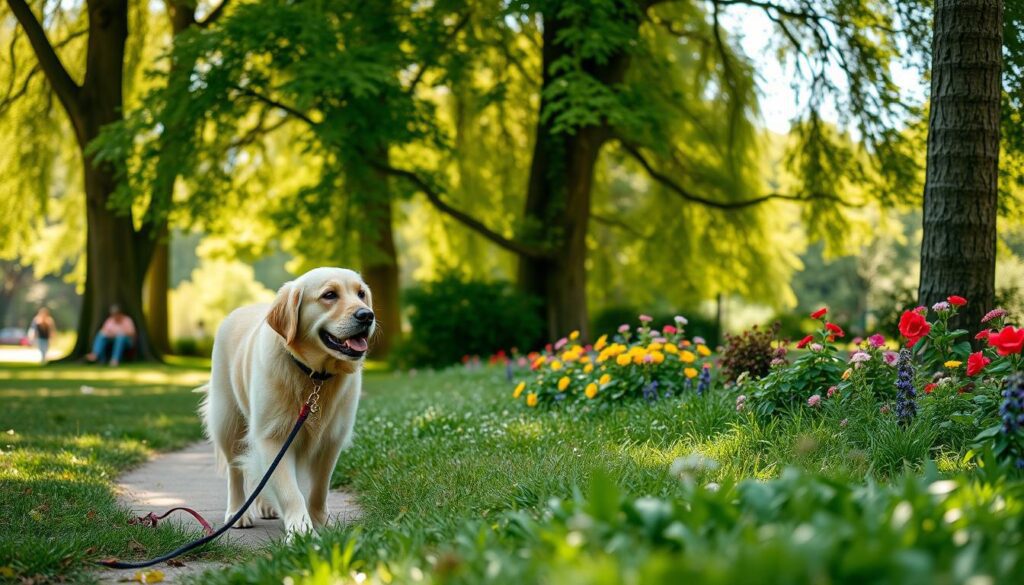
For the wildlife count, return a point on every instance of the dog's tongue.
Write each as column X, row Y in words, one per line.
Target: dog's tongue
column 356, row 343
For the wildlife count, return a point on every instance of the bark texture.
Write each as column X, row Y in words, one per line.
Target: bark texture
column 558, row 199
column 958, row 251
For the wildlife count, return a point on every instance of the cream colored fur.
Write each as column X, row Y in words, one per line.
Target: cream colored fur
column 256, row 391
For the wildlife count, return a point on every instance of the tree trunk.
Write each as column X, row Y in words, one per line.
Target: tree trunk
column 958, row 251
column 558, row 198
column 155, row 289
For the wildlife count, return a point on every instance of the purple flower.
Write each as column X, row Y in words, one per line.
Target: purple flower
column 993, row 314
column 876, row 340
column 698, row 340
column 940, row 306
column 646, row 318
column 890, row 357
column 814, row 401
column 704, row 381
column 906, row 396
column 651, row 391
column 624, row 328
column 1011, row 411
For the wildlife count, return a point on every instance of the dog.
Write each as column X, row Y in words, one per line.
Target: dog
column 267, row 360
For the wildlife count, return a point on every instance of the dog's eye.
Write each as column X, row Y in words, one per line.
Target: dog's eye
column 361, row 294
column 329, row 295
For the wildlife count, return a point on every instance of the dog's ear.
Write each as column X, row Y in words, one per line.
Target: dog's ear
column 284, row 313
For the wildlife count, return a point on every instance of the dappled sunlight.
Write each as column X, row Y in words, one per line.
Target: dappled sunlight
column 128, row 374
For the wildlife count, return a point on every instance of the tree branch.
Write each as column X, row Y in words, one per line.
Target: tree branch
column 65, row 87
column 687, row 195
column 12, row 95
column 465, row 219
column 421, row 185
column 463, row 21
column 213, row 15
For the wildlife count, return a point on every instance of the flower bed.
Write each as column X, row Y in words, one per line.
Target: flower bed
column 640, row 362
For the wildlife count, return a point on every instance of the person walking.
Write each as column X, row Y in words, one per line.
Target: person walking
column 41, row 330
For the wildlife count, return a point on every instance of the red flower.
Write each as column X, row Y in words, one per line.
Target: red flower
column 983, row 334
column 819, row 313
column 914, row 326
column 976, row 362
column 669, row 330
column 956, row 300
column 1008, row 341
column 929, row 388
column 803, row 342
column 835, row 329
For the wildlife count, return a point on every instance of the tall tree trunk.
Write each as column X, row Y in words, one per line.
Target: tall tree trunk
column 958, row 252
column 370, row 190
column 558, row 197
column 155, row 289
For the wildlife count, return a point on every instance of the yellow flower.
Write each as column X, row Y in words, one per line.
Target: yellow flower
column 531, row 399
column 690, row 372
column 623, row 360
column 563, row 383
column 591, row 390
column 703, row 350
column 588, row 368
column 847, row 374
column 687, row 357
column 569, row 356
column 585, row 359
column 671, row 348
column 658, row 357
column 953, row 364
column 655, row 346
column 519, row 390
column 605, row 379
column 601, row 342
column 556, row 365
column 574, row 336
column 539, row 362
column 638, row 358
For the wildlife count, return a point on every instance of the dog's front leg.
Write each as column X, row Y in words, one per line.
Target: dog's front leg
column 321, row 466
column 285, row 487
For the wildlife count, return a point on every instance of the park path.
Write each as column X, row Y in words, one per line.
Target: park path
column 189, row 477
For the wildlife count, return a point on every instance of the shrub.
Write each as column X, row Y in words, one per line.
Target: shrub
column 452, row 318
column 751, row 352
column 191, row 346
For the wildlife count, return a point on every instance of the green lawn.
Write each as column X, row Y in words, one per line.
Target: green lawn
column 65, row 433
column 460, row 484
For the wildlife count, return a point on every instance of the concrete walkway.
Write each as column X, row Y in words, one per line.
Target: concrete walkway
column 189, row 478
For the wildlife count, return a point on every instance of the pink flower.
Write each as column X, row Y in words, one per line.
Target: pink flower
column 646, row 318
column 669, row 330
column 858, row 340
column 561, row 343
column 817, row 347
column 890, row 357
column 624, row 328
column 859, row 357
column 813, row 401
column 648, row 358
column 660, row 340
column 699, row 340
column 993, row 314
column 877, row 340
column 680, row 320
column 831, row 392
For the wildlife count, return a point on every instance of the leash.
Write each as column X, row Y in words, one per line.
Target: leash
column 310, row 406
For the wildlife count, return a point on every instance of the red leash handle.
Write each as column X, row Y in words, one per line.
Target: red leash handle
column 151, row 519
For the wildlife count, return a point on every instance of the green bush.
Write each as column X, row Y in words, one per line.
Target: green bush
column 452, row 318
column 191, row 346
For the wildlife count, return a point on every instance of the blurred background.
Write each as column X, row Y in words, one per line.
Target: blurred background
column 501, row 172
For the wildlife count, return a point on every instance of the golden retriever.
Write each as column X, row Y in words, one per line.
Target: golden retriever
column 267, row 359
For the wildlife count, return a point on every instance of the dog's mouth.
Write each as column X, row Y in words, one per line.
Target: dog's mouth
column 354, row 347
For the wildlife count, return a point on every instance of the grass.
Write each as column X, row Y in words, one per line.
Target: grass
column 65, row 432
column 435, row 455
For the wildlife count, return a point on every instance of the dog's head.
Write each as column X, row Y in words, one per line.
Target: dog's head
column 325, row 312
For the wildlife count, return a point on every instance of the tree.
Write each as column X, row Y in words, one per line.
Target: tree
column 958, row 251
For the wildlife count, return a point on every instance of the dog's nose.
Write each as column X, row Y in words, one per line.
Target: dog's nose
column 363, row 316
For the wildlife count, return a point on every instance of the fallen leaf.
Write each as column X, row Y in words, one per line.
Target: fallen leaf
column 6, row 571
column 153, row 576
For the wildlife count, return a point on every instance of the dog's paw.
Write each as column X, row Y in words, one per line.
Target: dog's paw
column 246, row 521
column 265, row 509
column 319, row 517
column 298, row 525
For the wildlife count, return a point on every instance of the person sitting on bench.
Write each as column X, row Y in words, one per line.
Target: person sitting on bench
column 116, row 335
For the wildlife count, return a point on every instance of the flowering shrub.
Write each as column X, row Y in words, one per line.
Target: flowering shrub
column 640, row 362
